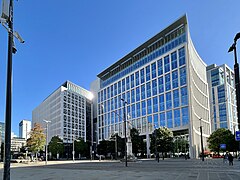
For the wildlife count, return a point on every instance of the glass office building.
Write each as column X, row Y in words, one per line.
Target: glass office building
column 222, row 97
column 164, row 83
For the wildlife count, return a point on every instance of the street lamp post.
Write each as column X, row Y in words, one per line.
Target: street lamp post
column 201, row 139
column 125, row 130
column 155, row 134
column 46, row 146
column 7, row 18
column 236, row 72
column 73, row 152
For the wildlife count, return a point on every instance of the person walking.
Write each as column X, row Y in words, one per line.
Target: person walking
column 157, row 156
column 225, row 158
column 230, row 159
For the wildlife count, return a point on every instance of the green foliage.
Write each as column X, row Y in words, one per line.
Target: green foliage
column 56, row 146
column 37, row 139
column 105, row 147
column 222, row 136
column 137, row 142
column 163, row 139
column 180, row 144
column 81, row 147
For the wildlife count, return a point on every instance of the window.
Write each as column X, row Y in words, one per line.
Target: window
column 142, row 76
column 167, row 82
column 160, row 85
column 176, row 117
column 132, row 80
column 128, row 96
column 184, row 96
column 162, row 119
column 166, row 64
column 160, row 67
column 221, row 94
column 137, row 78
column 181, row 53
column 133, row 95
column 153, row 65
column 138, row 109
column 119, row 87
column 175, row 79
column 133, row 111
column 137, row 94
column 169, row 119
column 168, row 100
column 155, row 104
column 143, row 92
column 123, row 85
column 143, row 108
column 127, row 83
column 176, row 98
column 161, row 102
column 149, row 89
column 183, row 76
column 154, row 87
column 115, row 89
column 149, row 106
column 185, row 117
column 174, row 60
column 155, row 119
column 147, row 73
column 111, row 90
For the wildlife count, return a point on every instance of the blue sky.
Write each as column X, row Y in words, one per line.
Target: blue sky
column 77, row 39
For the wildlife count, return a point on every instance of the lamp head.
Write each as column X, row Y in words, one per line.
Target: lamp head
column 231, row 48
column 237, row 37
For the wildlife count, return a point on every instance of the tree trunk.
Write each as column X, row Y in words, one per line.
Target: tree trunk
column 162, row 156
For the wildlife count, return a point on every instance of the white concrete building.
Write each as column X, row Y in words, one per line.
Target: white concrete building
column 25, row 127
column 69, row 108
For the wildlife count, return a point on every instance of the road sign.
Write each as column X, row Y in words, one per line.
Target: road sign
column 237, row 135
column 222, row 146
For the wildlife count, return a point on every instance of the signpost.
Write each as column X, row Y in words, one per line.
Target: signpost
column 222, row 146
column 237, row 136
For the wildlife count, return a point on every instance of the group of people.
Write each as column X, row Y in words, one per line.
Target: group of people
column 228, row 157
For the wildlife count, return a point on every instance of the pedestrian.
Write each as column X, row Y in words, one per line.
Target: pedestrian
column 157, row 156
column 230, row 159
column 225, row 158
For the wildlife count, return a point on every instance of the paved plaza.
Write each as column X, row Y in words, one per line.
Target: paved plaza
column 169, row 169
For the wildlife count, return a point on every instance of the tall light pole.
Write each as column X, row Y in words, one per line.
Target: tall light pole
column 155, row 134
column 46, row 146
column 73, row 152
column 7, row 18
column 201, row 139
column 236, row 73
column 125, row 130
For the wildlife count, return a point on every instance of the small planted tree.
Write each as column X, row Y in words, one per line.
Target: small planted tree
column 162, row 140
column 81, row 147
column 222, row 136
column 37, row 139
column 56, row 146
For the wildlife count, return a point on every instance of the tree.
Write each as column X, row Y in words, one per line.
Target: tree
column 222, row 136
column 37, row 139
column 163, row 142
column 56, row 146
column 137, row 141
column 81, row 147
column 105, row 147
column 180, row 145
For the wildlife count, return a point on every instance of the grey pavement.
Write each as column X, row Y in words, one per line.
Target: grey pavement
column 169, row 169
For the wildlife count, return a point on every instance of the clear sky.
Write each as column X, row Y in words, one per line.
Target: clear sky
column 77, row 39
